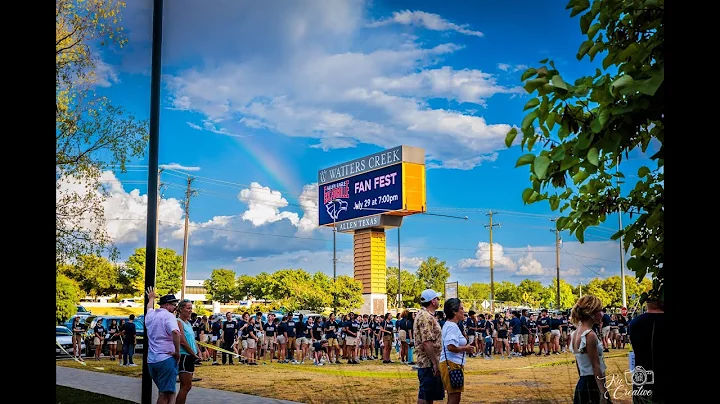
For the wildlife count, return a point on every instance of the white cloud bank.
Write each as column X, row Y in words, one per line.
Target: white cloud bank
column 322, row 70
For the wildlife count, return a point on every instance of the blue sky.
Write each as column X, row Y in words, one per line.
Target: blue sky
column 258, row 96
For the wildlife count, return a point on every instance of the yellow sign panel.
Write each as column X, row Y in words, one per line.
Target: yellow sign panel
column 370, row 260
column 414, row 190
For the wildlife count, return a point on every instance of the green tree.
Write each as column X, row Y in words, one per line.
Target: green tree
column 508, row 292
column 168, row 277
column 596, row 287
column 245, row 287
column 349, row 293
column 90, row 132
column 474, row 295
column 410, row 287
column 221, row 286
column 567, row 298
column 585, row 128
column 67, row 296
column 96, row 276
column 433, row 274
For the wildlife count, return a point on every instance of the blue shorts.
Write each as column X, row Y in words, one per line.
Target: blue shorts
column 431, row 387
column 164, row 374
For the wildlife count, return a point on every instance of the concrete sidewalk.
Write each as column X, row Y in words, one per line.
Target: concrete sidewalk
column 128, row 388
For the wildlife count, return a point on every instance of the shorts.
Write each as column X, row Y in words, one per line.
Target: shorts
column 244, row 344
column 261, row 340
column 164, row 374
column 213, row 338
column 112, row 342
column 445, row 367
column 547, row 337
column 524, row 338
column 350, row 341
column 302, row 341
column 333, row 342
column 186, row 364
column 269, row 342
column 281, row 339
column 402, row 335
column 431, row 387
column 291, row 342
column 555, row 333
column 387, row 339
column 515, row 339
column 367, row 340
column 605, row 331
column 471, row 339
column 250, row 343
column 494, row 334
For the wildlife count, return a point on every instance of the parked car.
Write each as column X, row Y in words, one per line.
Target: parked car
column 82, row 311
column 129, row 303
column 91, row 322
column 63, row 336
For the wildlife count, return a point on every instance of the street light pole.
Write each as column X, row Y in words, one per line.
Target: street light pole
column 334, row 265
column 399, row 295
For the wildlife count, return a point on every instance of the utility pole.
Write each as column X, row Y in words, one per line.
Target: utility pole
column 399, row 296
column 153, row 149
column 557, row 263
column 188, row 194
column 580, row 289
column 492, row 264
column 622, row 246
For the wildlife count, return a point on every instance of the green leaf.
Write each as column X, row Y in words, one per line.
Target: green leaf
column 558, row 82
column 585, row 21
column 543, row 61
column 580, row 233
column 561, row 223
column 622, row 82
column 580, row 177
column 609, row 59
column 584, row 48
column 593, row 30
column 579, row 7
column 528, row 73
column 595, row 49
column 541, row 166
column 533, row 84
column 510, row 137
column 596, row 126
column 603, row 116
column 558, row 153
column 593, row 157
column 525, row 159
column 551, row 120
column 528, row 120
column 584, row 140
column 554, row 202
column 527, row 193
column 643, row 171
column 531, row 104
column 651, row 85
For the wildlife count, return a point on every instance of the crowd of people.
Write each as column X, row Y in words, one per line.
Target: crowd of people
column 435, row 342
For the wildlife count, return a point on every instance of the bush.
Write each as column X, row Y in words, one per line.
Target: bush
column 67, row 296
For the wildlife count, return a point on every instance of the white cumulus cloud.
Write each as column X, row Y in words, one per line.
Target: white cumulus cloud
column 482, row 258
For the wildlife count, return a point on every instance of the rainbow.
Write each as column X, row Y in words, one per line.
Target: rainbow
column 278, row 170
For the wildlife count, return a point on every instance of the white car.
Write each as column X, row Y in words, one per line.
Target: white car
column 128, row 303
column 63, row 337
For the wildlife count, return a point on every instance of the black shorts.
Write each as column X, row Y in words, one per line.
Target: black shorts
column 431, row 387
column 187, row 364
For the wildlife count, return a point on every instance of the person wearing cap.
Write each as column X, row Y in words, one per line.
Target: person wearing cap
column 163, row 335
column 428, row 341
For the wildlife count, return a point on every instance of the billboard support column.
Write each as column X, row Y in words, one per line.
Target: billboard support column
column 370, row 268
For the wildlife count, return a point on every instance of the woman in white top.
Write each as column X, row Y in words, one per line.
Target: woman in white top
column 588, row 350
column 455, row 345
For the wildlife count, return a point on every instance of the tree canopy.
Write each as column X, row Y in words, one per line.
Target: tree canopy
column 577, row 134
column 90, row 133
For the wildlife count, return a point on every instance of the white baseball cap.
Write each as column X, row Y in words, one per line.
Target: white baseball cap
column 428, row 294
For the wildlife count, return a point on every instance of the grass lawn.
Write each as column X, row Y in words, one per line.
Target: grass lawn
column 533, row 379
column 67, row 395
column 116, row 311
